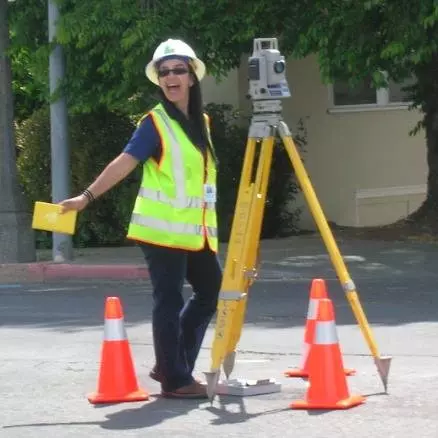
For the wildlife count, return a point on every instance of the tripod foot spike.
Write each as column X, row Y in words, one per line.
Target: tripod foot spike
column 383, row 364
column 212, row 378
column 228, row 364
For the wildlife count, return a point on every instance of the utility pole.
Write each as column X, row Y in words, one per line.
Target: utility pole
column 17, row 242
column 60, row 151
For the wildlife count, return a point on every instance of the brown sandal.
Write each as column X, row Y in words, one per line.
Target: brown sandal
column 194, row 390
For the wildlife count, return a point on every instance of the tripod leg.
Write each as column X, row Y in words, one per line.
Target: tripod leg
column 241, row 259
column 250, row 250
column 348, row 285
column 226, row 307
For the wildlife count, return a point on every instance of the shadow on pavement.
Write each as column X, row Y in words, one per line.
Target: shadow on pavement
column 153, row 412
column 159, row 410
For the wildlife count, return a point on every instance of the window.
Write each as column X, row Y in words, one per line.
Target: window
column 396, row 92
column 362, row 96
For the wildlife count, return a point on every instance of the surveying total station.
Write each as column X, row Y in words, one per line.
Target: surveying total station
column 267, row 87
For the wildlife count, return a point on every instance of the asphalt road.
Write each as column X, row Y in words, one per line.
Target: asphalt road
column 51, row 337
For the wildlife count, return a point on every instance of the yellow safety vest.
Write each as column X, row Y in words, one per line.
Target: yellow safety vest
column 170, row 208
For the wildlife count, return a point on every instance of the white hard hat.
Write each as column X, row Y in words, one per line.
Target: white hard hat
column 171, row 48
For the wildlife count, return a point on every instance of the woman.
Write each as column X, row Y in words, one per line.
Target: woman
column 174, row 217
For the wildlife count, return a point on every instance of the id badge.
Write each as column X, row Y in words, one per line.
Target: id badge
column 209, row 193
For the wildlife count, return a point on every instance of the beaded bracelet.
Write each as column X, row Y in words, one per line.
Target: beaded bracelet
column 89, row 195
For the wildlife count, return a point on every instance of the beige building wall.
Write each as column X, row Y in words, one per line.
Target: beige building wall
column 364, row 166
column 223, row 91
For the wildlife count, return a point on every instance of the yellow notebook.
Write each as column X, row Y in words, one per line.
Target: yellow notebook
column 48, row 217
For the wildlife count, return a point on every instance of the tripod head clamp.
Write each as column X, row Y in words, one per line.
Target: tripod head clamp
column 266, row 71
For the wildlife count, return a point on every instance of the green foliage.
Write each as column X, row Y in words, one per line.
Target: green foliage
column 107, row 44
column 96, row 138
column 29, row 55
column 230, row 136
column 356, row 40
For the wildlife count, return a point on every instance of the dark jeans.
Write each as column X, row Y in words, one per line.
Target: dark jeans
column 178, row 327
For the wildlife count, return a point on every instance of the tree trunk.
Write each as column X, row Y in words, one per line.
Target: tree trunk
column 17, row 243
column 431, row 122
column 426, row 217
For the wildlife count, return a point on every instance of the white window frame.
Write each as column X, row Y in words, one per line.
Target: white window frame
column 382, row 103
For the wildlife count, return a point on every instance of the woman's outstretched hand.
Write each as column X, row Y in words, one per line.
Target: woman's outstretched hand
column 77, row 203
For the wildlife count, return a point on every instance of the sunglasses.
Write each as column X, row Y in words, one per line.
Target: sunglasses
column 177, row 71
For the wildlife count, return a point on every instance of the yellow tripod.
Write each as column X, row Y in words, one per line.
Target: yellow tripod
column 240, row 269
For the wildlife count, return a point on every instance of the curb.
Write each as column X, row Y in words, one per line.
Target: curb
column 40, row 272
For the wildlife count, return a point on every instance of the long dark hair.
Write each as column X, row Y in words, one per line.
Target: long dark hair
column 195, row 126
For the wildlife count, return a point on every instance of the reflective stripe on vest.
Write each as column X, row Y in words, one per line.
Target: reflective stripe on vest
column 171, row 227
column 178, row 164
column 183, row 202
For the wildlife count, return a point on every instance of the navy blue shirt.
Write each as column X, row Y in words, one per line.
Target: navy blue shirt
column 145, row 142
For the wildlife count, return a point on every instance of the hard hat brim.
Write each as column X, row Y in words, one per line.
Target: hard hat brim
column 197, row 64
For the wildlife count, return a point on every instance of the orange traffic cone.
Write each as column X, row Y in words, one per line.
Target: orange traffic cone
column 117, row 380
column 327, row 383
column 318, row 290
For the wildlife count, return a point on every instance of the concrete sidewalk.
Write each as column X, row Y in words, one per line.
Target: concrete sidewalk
column 110, row 263
column 118, row 263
